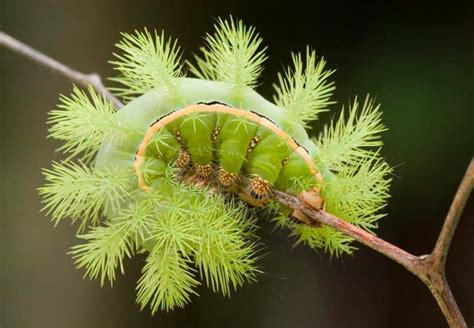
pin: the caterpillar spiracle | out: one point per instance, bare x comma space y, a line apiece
177, 171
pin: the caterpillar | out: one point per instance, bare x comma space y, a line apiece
176, 172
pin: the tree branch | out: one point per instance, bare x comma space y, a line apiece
430, 269
441, 249
77, 77
319, 217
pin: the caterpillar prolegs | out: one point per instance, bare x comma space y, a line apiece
161, 175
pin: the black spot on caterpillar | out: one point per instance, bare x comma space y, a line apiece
212, 103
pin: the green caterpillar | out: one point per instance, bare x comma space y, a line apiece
243, 141
167, 173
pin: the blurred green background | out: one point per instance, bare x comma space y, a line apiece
416, 58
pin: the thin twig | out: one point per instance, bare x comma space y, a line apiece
434, 263
459, 202
319, 217
80, 78
430, 269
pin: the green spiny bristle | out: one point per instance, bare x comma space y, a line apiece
215, 233
82, 121
139, 217
231, 55
304, 90
174, 228
178, 224
168, 278
107, 245
355, 186
103, 252
355, 194
224, 256
278, 214
351, 139
332, 241
148, 61
350, 149
167, 282
359, 192
78, 192
323, 237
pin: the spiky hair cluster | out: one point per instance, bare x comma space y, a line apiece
194, 235
304, 90
149, 60
232, 54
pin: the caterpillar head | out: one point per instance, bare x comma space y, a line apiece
173, 173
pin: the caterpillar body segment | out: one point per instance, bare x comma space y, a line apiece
235, 136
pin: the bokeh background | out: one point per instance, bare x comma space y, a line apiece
416, 58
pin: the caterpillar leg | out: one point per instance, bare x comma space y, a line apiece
256, 193
204, 172
183, 161
311, 198
227, 181
300, 216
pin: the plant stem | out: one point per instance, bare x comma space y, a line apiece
80, 78
440, 251
430, 269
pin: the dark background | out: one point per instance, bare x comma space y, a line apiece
418, 59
